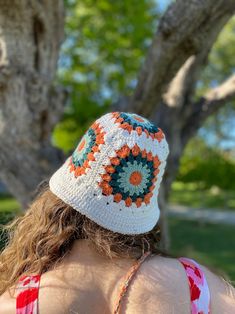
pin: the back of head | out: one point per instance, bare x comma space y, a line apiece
107, 192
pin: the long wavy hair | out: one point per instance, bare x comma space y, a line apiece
40, 238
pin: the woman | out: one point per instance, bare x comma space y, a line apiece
87, 244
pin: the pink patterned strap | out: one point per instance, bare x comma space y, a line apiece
27, 297
199, 290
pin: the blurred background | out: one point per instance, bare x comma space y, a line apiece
105, 46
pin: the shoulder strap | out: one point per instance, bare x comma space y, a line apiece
27, 295
127, 280
199, 290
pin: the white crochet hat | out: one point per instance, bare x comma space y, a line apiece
114, 174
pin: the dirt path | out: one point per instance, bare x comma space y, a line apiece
207, 214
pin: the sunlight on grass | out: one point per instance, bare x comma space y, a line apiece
210, 244
194, 195
8, 204
9, 207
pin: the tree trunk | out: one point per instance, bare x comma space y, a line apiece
30, 105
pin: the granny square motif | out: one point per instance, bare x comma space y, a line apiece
114, 174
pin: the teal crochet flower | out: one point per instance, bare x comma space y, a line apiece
132, 170
132, 177
138, 121
84, 148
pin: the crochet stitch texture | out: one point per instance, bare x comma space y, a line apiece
113, 176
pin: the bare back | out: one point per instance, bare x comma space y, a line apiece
159, 286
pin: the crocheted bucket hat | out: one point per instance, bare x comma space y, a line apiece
114, 174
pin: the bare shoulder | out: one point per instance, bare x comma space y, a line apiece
222, 293
46, 294
53, 294
7, 303
161, 283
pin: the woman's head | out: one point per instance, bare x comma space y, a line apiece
105, 192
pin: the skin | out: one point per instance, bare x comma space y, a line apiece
87, 282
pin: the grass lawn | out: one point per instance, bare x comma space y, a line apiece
8, 204
212, 245
190, 194
9, 207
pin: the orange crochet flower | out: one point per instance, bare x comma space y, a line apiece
128, 176
159, 135
138, 202
130, 122
135, 150
123, 152
118, 197
115, 161
128, 202
86, 150
109, 169
107, 190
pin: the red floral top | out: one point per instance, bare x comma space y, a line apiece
27, 298
199, 290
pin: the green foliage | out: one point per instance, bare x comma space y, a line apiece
201, 163
220, 66
195, 194
8, 204
75, 122
105, 45
9, 208
221, 59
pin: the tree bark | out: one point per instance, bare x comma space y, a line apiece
30, 36
186, 29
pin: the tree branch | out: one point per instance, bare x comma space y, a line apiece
180, 85
208, 105
186, 27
